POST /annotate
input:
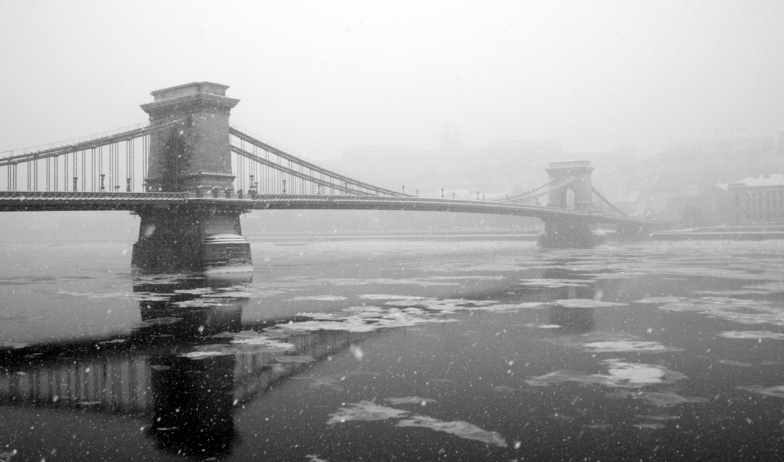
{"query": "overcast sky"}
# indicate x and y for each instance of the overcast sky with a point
(317, 76)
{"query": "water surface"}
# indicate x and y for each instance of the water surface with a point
(385, 350)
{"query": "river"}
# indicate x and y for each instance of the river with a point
(396, 350)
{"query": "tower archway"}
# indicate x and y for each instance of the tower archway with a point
(578, 194)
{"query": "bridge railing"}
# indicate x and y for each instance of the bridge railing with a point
(115, 162)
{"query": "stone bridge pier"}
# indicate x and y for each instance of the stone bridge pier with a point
(576, 195)
(565, 233)
(632, 231)
(193, 155)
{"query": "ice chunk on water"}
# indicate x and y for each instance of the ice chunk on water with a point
(457, 428)
(294, 359)
(12, 345)
(585, 303)
(728, 362)
(620, 375)
(203, 354)
(611, 342)
(318, 298)
(554, 283)
(777, 391)
(365, 411)
(649, 426)
(659, 399)
(626, 345)
(389, 297)
(752, 334)
(410, 400)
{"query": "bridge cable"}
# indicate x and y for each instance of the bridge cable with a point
(333, 175)
(613, 207)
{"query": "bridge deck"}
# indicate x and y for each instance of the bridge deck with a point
(20, 201)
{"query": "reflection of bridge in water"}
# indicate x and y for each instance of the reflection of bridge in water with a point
(121, 379)
(188, 403)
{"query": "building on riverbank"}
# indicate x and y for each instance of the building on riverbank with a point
(759, 199)
(756, 199)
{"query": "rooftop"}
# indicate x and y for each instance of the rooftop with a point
(776, 179)
(190, 89)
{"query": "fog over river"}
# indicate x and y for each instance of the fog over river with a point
(396, 350)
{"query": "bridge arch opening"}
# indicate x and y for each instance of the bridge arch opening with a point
(575, 177)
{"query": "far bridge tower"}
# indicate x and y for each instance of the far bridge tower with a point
(578, 173)
(563, 231)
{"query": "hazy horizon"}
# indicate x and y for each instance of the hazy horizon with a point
(317, 77)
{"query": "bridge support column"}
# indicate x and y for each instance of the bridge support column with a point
(632, 231)
(566, 234)
(190, 239)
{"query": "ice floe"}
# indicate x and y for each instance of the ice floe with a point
(620, 374)
(654, 300)
(649, 426)
(728, 362)
(366, 320)
(318, 298)
(203, 302)
(12, 345)
(539, 326)
(660, 417)
(294, 359)
(611, 342)
(777, 391)
(243, 342)
(457, 428)
(658, 399)
(389, 297)
(365, 411)
(615, 346)
(370, 411)
(459, 304)
(753, 335)
(585, 303)
(203, 354)
(463, 278)
(409, 400)
(554, 283)
(732, 309)
(399, 312)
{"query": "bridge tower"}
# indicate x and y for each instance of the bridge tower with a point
(196, 151)
(569, 231)
(580, 187)
(194, 154)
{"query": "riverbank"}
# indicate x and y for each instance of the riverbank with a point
(487, 235)
(746, 232)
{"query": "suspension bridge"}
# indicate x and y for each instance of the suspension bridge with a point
(189, 175)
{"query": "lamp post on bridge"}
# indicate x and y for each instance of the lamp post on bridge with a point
(76, 178)
(442, 193)
(284, 186)
(103, 175)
